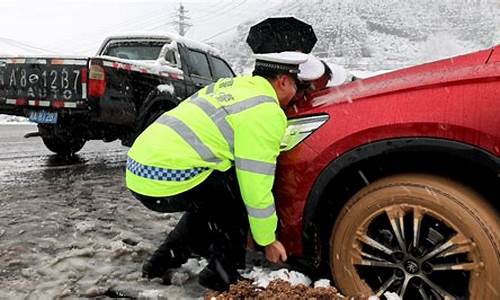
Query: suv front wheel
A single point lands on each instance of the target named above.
(421, 236)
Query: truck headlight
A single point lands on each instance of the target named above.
(300, 128)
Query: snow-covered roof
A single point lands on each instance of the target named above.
(170, 36)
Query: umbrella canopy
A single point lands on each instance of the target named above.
(281, 34)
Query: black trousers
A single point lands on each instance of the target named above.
(214, 225)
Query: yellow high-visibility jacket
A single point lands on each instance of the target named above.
(234, 120)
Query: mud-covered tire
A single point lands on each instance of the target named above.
(61, 146)
(425, 234)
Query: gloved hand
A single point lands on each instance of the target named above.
(275, 252)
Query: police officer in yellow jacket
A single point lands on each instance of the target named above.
(214, 157)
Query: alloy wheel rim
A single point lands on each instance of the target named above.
(408, 249)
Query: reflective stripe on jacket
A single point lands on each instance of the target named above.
(236, 120)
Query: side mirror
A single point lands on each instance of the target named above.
(168, 55)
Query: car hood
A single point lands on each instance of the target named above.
(459, 68)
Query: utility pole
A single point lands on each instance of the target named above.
(181, 20)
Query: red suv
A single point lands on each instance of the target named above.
(393, 182)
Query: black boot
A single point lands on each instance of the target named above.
(165, 258)
(172, 253)
(217, 277)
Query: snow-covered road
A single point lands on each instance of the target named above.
(71, 228)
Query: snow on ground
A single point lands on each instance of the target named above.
(74, 230)
(7, 119)
(262, 276)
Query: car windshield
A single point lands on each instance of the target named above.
(136, 50)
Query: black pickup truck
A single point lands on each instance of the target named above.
(113, 95)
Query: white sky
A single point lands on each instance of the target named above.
(79, 26)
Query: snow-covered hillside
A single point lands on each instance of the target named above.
(371, 34)
(386, 34)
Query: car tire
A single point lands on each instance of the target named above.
(152, 117)
(421, 236)
(62, 146)
(149, 114)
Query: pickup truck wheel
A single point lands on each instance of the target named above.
(147, 117)
(152, 116)
(420, 236)
(62, 146)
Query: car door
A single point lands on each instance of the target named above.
(198, 70)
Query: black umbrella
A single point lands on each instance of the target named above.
(281, 34)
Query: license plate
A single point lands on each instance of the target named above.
(41, 82)
(42, 116)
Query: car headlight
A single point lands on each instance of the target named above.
(300, 128)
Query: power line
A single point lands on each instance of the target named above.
(290, 7)
(23, 45)
(220, 33)
(210, 12)
(221, 12)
